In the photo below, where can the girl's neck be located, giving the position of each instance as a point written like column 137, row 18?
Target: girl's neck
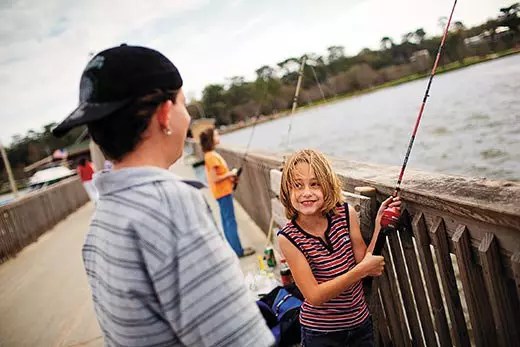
column 313, row 224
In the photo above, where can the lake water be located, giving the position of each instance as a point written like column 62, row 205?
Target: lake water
column 471, row 124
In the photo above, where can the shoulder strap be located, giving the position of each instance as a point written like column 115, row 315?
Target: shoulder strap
column 347, row 215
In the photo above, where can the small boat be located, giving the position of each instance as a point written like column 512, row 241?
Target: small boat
column 46, row 177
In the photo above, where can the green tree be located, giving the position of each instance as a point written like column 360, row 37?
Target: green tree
column 510, row 17
column 387, row 43
column 239, row 91
column 214, row 102
column 265, row 73
column 420, row 35
column 335, row 53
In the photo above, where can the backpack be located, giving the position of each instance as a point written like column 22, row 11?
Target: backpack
column 281, row 311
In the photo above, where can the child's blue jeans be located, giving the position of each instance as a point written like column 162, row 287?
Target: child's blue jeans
column 229, row 222
column 362, row 336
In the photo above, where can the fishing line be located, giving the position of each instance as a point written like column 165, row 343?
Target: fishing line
column 318, row 83
column 253, row 127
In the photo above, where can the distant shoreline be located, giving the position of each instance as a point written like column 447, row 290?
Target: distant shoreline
column 470, row 61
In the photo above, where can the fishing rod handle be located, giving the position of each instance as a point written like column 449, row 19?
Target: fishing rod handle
column 239, row 172
column 381, row 240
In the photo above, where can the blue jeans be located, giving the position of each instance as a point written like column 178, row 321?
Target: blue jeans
column 229, row 222
column 361, row 336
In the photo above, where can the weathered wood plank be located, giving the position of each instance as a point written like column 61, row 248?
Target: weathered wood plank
column 458, row 324
column 478, row 303
column 507, row 328
column 382, row 324
column 275, row 178
column 392, row 280
column 515, row 261
column 26, row 219
column 430, row 275
column 390, row 305
column 406, row 292
column 405, row 234
column 367, row 212
column 483, row 200
column 278, row 212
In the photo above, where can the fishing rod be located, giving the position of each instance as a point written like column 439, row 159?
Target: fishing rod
column 295, row 99
column 255, row 122
column 391, row 215
column 294, row 105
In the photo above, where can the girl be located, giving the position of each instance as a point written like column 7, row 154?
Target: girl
column 326, row 252
column 221, row 180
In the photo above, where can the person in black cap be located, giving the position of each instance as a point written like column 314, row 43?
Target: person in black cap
column 159, row 270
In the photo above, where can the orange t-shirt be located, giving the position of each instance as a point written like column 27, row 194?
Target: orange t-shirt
column 213, row 160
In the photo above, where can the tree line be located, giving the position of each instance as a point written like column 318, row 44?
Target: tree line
column 325, row 76
column 335, row 73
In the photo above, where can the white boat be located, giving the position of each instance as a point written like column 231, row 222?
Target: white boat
column 49, row 176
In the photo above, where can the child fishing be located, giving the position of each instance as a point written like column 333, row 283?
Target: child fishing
column 221, row 181
column 327, row 254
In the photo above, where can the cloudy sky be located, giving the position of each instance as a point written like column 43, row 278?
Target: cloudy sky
column 44, row 45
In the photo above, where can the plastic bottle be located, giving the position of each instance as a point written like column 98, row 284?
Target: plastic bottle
column 285, row 273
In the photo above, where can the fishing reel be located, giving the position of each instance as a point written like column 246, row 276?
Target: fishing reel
column 239, row 172
column 389, row 221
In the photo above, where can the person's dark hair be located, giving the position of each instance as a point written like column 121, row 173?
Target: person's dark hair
column 82, row 161
column 118, row 134
column 207, row 140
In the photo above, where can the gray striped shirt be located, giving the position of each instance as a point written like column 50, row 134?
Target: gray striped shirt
column 159, row 271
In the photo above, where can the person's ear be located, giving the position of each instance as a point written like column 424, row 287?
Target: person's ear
column 163, row 116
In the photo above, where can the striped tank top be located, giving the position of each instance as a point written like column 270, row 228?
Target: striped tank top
column 328, row 260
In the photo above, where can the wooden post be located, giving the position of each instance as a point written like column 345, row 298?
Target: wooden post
column 515, row 264
column 478, row 304
column 406, row 292
column 7, row 165
column 507, row 331
column 449, row 283
column 430, row 276
column 368, row 211
column 405, row 234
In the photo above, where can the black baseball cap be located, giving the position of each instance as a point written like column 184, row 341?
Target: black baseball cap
column 115, row 78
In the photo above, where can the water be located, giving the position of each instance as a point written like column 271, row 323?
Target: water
column 471, row 124
column 5, row 198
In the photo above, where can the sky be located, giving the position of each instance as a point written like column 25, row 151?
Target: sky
column 44, row 45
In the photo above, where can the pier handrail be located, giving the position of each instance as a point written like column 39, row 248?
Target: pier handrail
column 453, row 269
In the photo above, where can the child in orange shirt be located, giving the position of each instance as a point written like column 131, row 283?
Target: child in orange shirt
column 221, row 180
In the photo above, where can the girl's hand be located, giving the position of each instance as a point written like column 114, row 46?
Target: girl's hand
column 390, row 202
column 372, row 265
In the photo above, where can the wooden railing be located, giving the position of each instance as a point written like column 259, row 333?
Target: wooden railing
column 24, row 220
column 453, row 268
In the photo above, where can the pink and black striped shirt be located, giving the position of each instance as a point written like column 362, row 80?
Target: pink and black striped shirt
column 328, row 260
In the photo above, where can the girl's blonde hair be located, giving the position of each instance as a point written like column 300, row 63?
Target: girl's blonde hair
column 327, row 179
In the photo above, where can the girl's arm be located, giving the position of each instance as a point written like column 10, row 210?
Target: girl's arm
column 213, row 177
column 318, row 294
column 359, row 247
